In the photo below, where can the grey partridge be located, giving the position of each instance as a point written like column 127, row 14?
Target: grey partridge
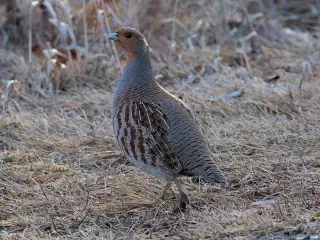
column 155, row 129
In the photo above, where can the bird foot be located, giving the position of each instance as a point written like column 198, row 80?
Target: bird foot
column 183, row 202
column 165, row 191
column 163, row 196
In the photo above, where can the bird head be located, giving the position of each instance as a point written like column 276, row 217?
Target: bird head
column 131, row 40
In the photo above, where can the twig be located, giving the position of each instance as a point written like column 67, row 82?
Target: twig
column 46, row 197
column 77, row 223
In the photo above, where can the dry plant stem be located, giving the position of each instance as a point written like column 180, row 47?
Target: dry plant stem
column 85, row 26
column 116, row 7
column 245, row 10
column 77, row 223
column 300, row 92
column 30, row 35
column 46, row 197
column 224, row 21
column 173, row 30
column 247, row 61
column 224, row 24
column 109, row 30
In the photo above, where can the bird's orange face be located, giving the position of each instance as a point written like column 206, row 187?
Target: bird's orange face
column 131, row 40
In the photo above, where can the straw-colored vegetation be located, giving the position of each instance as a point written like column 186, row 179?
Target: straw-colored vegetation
column 248, row 69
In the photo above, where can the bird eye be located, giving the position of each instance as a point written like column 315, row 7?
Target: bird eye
column 128, row 35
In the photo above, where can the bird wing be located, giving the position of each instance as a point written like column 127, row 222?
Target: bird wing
column 141, row 129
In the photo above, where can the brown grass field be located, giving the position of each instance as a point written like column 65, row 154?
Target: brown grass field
column 250, row 72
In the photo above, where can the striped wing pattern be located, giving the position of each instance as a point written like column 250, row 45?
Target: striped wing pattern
column 141, row 130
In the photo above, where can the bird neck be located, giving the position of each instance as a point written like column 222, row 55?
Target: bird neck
column 138, row 70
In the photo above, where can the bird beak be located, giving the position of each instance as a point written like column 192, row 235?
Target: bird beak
column 112, row 36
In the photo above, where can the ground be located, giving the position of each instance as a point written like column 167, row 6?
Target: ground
column 62, row 176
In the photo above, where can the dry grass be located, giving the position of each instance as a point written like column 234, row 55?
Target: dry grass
column 61, row 175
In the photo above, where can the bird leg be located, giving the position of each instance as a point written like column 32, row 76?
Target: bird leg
column 165, row 190
column 184, row 200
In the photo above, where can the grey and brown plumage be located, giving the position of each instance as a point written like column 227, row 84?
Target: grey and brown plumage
column 155, row 129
